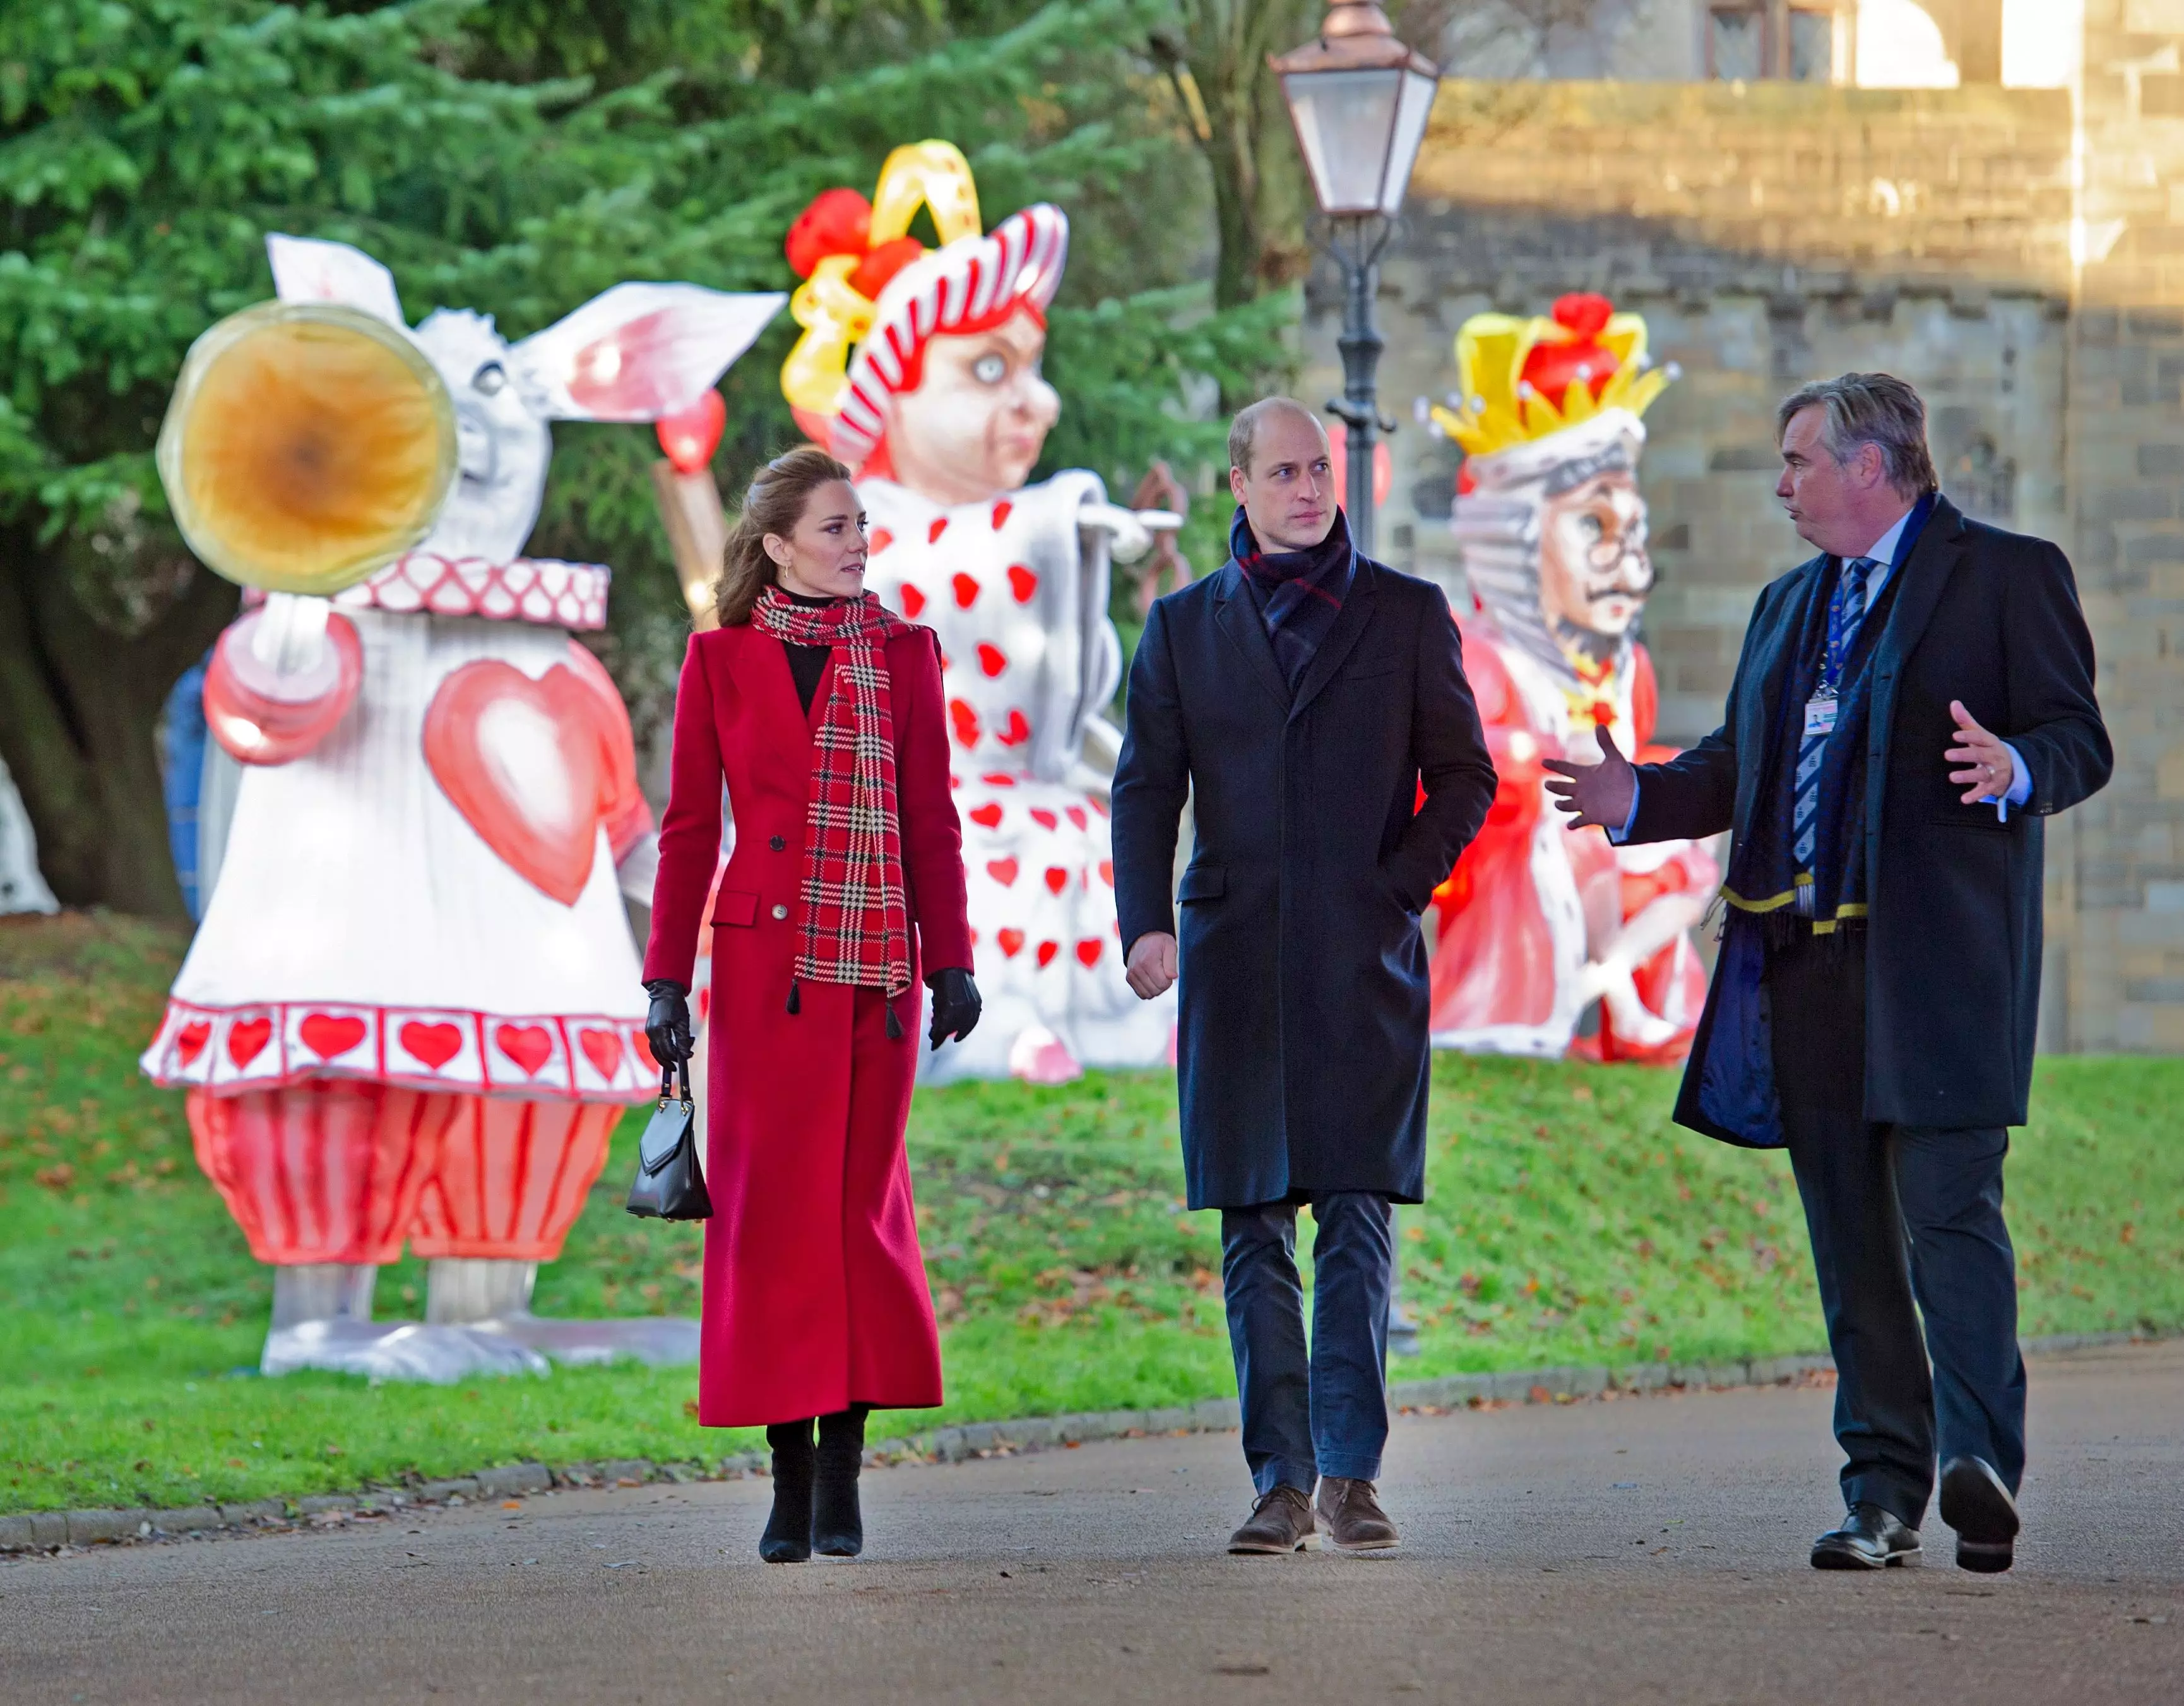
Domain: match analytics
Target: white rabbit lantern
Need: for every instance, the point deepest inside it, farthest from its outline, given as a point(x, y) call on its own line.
point(413, 1009)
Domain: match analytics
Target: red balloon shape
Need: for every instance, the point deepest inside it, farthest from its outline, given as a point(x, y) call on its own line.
point(690, 436)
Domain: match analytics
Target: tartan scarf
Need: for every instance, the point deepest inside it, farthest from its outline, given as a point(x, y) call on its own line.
point(1299, 593)
point(857, 922)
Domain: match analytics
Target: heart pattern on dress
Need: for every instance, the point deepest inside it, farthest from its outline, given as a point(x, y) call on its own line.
point(434, 1044)
point(603, 1049)
point(247, 1039)
point(328, 1035)
point(526, 764)
point(1003, 871)
point(1012, 941)
point(529, 1046)
point(191, 1040)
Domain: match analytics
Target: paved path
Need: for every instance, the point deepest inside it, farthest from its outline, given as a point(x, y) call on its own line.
point(1649, 1549)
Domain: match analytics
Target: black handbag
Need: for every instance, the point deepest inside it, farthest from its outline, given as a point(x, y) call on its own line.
point(670, 1183)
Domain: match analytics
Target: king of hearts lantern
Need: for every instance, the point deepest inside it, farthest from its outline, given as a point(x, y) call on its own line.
point(413, 1009)
point(942, 410)
point(1538, 922)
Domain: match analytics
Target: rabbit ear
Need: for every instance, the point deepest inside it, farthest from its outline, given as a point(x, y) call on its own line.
point(640, 351)
point(308, 269)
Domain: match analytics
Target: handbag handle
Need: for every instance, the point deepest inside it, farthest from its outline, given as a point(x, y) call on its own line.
point(668, 1074)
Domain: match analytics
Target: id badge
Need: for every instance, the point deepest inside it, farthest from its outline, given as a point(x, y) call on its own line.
point(1820, 715)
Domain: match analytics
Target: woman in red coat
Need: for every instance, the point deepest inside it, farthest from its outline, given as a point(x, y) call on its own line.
point(821, 712)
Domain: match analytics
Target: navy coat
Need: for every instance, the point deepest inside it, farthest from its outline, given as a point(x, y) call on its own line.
point(1303, 1057)
point(1954, 935)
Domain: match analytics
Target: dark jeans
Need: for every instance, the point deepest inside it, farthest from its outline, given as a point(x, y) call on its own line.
point(1324, 1411)
point(1906, 1221)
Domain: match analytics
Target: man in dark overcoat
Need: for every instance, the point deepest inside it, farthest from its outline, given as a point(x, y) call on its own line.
point(1299, 698)
point(1911, 706)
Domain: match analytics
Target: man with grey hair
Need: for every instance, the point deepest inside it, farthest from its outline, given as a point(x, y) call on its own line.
point(1910, 706)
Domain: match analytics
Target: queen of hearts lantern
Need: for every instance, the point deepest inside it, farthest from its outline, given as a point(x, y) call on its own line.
point(943, 411)
point(1538, 922)
point(413, 1009)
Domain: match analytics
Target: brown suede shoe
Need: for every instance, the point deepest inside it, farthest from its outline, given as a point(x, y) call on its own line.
point(1352, 1516)
point(1281, 1521)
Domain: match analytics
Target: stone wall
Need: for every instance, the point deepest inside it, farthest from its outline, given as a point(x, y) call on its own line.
point(1773, 233)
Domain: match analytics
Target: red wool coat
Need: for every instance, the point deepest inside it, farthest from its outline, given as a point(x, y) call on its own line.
point(815, 1290)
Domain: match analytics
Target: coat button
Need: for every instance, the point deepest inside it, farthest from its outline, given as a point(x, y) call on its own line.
point(777, 844)
point(780, 910)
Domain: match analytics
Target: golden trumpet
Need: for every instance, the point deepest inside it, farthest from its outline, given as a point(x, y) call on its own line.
point(307, 445)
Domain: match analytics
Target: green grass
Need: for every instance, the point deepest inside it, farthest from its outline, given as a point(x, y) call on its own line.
point(1569, 1223)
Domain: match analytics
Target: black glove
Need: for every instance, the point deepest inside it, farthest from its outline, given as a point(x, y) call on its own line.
point(667, 1025)
point(955, 1004)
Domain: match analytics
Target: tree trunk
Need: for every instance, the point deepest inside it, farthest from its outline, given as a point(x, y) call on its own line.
point(79, 708)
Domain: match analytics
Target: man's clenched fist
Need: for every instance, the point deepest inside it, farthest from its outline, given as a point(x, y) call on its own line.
point(1151, 970)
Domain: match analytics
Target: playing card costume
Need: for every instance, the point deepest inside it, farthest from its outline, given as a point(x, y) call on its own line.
point(942, 410)
point(412, 1011)
point(1538, 922)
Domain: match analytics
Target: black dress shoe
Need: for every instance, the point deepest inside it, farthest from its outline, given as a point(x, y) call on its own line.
point(1977, 1505)
point(1870, 1538)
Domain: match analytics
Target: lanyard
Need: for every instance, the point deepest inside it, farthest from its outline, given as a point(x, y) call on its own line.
point(1839, 641)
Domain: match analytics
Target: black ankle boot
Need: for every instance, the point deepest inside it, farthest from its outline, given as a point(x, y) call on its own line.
point(838, 1525)
point(787, 1536)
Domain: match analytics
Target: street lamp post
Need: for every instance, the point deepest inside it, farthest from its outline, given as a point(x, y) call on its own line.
point(1359, 99)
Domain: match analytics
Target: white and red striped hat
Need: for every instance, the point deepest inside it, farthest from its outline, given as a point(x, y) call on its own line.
point(970, 285)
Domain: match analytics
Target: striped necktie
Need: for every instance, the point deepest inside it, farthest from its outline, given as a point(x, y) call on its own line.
point(1805, 821)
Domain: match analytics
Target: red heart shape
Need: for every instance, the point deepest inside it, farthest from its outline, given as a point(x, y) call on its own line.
point(1043, 818)
point(525, 762)
point(998, 778)
point(1012, 941)
point(992, 659)
point(1088, 952)
point(1023, 582)
point(1108, 872)
point(1047, 951)
point(191, 1039)
point(965, 719)
point(247, 1039)
point(988, 817)
point(434, 1044)
point(1018, 732)
point(966, 590)
point(1003, 871)
point(1001, 514)
point(933, 532)
point(527, 1045)
point(326, 1036)
point(881, 540)
point(913, 601)
point(1075, 814)
point(1057, 879)
point(603, 1049)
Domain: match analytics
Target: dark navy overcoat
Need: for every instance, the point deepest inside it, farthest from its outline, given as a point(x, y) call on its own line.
point(1302, 1057)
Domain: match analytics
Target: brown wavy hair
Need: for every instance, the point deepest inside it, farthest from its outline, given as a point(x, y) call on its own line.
point(775, 503)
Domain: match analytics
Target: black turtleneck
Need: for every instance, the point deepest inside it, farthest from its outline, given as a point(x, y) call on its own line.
point(807, 664)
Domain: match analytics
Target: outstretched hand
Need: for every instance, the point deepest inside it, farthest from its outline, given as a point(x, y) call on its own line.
point(1987, 770)
point(1600, 795)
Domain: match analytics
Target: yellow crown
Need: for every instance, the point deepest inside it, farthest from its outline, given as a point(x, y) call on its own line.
point(1523, 380)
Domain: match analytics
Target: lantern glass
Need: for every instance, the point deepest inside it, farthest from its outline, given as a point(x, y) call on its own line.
point(1359, 131)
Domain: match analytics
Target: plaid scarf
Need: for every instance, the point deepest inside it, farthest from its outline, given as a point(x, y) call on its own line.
point(1299, 593)
point(856, 923)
